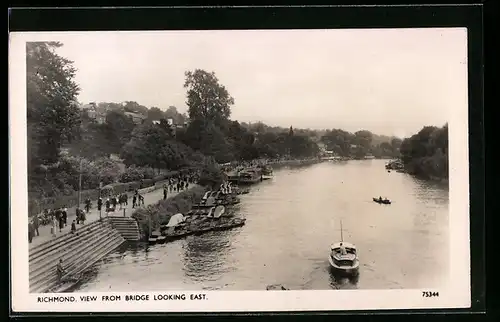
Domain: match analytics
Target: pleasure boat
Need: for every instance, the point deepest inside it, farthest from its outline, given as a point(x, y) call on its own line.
point(249, 176)
point(343, 257)
point(267, 172)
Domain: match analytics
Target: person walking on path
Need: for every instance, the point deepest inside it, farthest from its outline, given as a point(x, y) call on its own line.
point(36, 224)
point(54, 226)
point(113, 201)
point(65, 216)
point(88, 204)
point(134, 201)
point(61, 221)
point(30, 232)
point(99, 204)
point(73, 227)
point(165, 191)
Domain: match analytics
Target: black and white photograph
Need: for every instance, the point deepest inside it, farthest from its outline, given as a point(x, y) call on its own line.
point(298, 169)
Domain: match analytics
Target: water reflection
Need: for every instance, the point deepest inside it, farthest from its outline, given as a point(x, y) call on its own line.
point(340, 282)
point(204, 256)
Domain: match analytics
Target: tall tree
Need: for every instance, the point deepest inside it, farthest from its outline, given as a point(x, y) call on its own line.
point(118, 130)
point(52, 110)
point(207, 99)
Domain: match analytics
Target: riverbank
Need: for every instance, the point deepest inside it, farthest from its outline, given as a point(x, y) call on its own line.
point(45, 231)
point(152, 217)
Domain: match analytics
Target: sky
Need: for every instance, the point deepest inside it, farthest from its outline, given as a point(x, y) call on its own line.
point(390, 82)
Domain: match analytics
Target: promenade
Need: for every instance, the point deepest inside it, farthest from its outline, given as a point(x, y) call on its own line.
point(149, 199)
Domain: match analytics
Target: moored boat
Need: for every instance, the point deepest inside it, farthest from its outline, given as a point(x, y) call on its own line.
point(267, 172)
point(343, 257)
point(250, 176)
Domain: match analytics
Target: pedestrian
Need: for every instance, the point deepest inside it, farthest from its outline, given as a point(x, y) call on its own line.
point(54, 226)
point(58, 215)
point(36, 224)
point(88, 204)
point(61, 221)
point(165, 192)
point(134, 201)
point(73, 227)
point(60, 270)
point(82, 216)
point(30, 232)
point(125, 198)
point(99, 204)
point(65, 216)
point(114, 201)
point(108, 204)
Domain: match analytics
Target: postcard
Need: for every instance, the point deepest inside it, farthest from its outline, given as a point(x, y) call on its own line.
point(230, 171)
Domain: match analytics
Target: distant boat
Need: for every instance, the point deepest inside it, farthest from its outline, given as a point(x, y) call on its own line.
point(344, 257)
point(382, 201)
point(249, 176)
point(267, 172)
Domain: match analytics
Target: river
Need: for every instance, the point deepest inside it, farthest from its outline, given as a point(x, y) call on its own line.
point(291, 222)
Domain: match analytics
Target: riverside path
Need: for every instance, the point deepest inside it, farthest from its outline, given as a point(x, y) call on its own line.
point(149, 199)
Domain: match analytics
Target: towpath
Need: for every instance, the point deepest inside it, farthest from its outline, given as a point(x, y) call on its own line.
point(149, 198)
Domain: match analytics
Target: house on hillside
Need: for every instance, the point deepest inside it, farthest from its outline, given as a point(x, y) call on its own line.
point(136, 117)
point(94, 113)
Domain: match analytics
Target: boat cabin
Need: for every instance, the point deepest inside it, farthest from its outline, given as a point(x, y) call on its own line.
point(350, 248)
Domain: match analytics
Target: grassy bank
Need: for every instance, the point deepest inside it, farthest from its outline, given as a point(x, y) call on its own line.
point(161, 212)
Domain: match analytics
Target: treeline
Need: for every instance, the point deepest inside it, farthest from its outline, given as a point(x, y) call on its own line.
point(425, 154)
point(360, 144)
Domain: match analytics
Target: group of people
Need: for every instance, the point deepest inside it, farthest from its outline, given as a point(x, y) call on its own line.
point(58, 220)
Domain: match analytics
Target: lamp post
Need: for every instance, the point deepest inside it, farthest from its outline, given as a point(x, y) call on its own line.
point(80, 185)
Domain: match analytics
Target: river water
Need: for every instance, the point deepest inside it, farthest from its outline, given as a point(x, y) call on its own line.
point(291, 222)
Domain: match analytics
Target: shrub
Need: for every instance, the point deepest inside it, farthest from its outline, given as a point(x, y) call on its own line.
point(145, 183)
point(161, 212)
point(133, 173)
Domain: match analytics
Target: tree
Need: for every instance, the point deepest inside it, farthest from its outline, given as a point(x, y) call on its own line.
point(155, 114)
point(338, 141)
point(118, 130)
point(426, 153)
point(396, 144)
point(146, 147)
point(152, 145)
point(206, 98)
point(134, 107)
point(52, 113)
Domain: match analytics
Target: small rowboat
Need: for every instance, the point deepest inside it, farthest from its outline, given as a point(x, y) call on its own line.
point(382, 201)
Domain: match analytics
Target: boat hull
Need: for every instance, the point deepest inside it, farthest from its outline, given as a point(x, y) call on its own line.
point(382, 202)
point(344, 270)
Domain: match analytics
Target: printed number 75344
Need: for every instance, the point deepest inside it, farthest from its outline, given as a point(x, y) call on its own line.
point(430, 294)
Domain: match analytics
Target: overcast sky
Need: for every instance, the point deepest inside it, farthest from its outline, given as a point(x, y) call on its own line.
point(390, 82)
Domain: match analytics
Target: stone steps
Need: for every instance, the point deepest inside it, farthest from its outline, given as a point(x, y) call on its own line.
point(126, 226)
point(40, 250)
point(78, 252)
point(46, 258)
point(69, 255)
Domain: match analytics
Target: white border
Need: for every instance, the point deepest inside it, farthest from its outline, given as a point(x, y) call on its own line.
point(455, 295)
